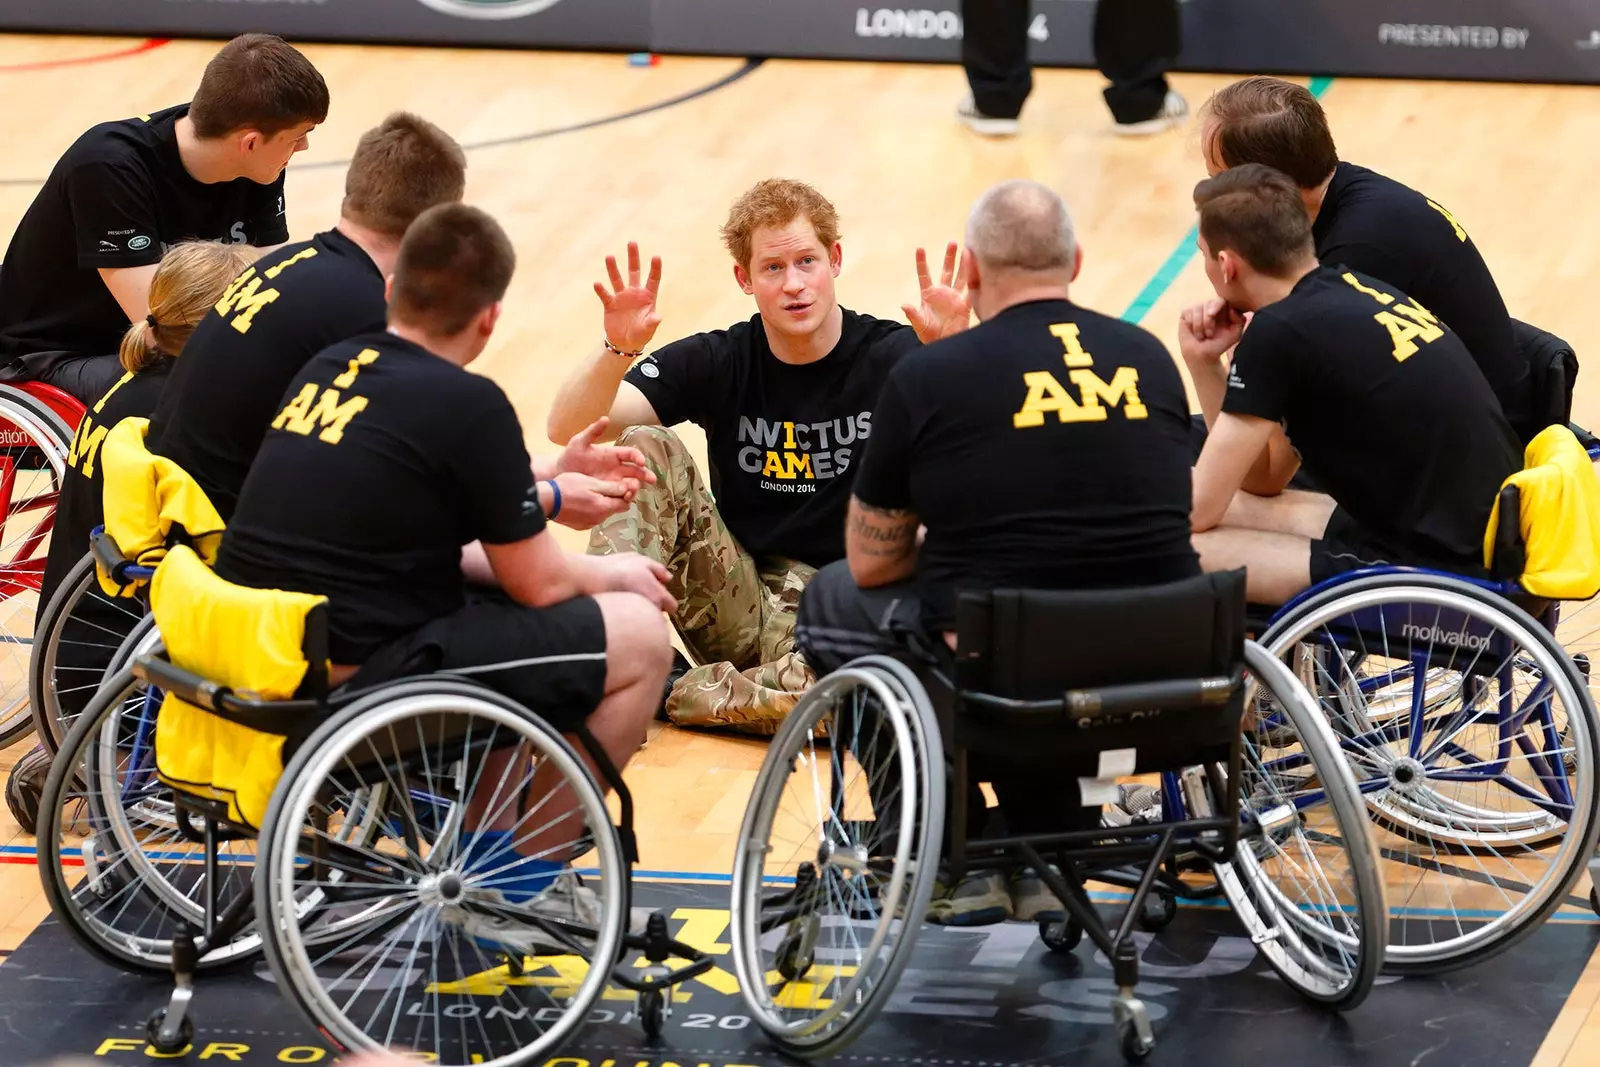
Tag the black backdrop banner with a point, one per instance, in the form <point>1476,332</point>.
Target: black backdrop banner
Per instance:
<point>1522,40</point>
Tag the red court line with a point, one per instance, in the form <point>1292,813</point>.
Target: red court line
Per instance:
<point>122,53</point>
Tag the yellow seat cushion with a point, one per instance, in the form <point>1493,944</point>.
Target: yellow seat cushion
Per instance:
<point>1560,520</point>
<point>145,497</point>
<point>250,640</point>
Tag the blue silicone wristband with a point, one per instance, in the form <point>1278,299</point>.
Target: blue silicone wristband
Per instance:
<point>555,505</point>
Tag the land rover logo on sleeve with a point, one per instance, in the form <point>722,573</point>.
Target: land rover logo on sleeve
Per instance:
<point>490,9</point>
<point>139,243</point>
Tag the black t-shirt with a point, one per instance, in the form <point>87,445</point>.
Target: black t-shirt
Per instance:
<point>1388,411</point>
<point>80,507</point>
<point>1045,448</point>
<point>269,323</point>
<point>781,439</point>
<point>1374,225</point>
<point>382,463</point>
<point>118,198</point>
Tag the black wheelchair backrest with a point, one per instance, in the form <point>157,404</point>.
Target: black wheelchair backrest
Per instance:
<point>1509,556</point>
<point>1037,644</point>
<point>1552,371</point>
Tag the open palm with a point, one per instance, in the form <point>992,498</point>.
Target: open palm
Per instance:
<point>945,309</point>
<point>630,308</point>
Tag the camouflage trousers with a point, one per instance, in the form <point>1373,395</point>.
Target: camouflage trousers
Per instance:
<point>735,614</point>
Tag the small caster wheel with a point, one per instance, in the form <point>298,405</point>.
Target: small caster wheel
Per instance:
<point>791,963</point>
<point>1060,935</point>
<point>797,951</point>
<point>152,1033</point>
<point>1134,1047</point>
<point>1158,912</point>
<point>652,1013</point>
<point>1594,900</point>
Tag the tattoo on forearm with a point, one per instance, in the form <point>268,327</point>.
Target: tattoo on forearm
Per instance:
<point>870,525</point>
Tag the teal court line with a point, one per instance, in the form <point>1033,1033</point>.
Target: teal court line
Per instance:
<point>1163,278</point>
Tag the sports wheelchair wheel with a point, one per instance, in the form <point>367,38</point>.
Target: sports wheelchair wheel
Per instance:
<point>832,858</point>
<point>78,639</point>
<point>34,443</point>
<point>446,965</point>
<point>117,868</point>
<point>125,872</point>
<point>1306,885</point>
<point>1473,739</point>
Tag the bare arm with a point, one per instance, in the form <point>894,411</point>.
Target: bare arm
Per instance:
<point>131,287</point>
<point>596,388</point>
<point>536,572</point>
<point>1232,449</point>
<point>880,544</point>
<point>1275,466</point>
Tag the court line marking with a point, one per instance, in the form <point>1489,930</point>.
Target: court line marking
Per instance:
<point>1169,271</point>
<point>723,82</point>
<point>149,45</point>
<point>27,855</point>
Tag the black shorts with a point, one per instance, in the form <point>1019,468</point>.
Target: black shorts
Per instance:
<point>1344,546</point>
<point>1347,546</point>
<point>550,660</point>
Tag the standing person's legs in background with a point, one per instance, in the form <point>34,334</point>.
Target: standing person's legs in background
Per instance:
<point>1135,43</point>
<point>994,51</point>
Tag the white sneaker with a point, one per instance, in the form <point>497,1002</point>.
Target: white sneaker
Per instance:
<point>566,900</point>
<point>1174,112</point>
<point>1136,803</point>
<point>987,125</point>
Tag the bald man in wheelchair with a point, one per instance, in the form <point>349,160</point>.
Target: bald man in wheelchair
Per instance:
<point>1343,373</point>
<point>1046,448</point>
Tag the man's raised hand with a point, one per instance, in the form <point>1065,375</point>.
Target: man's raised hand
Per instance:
<point>945,309</point>
<point>630,308</point>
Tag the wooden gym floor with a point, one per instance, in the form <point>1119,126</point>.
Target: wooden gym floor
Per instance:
<point>882,142</point>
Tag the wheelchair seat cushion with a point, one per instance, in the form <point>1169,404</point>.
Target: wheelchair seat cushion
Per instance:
<point>1559,520</point>
<point>249,640</point>
<point>149,502</point>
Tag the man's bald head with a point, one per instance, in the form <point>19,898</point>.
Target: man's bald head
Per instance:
<point>1020,247</point>
<point>1022,226</point>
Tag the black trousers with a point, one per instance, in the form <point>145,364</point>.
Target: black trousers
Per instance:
<point>839,621</point>
<point>1135,43</point>
<point>85,377</point>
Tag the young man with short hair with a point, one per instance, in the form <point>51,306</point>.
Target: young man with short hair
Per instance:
<point>79,265</point>
<point>1341,371</point>
<point>392,472</point>
<point>1373,225</point>
<point>786,400</point>
<point>1047,447</point>
<point>295,302</point>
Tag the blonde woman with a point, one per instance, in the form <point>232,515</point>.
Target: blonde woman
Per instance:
<point>188,281</point>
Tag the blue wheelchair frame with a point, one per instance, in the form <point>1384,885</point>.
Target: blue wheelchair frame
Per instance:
<point>1383,622</point>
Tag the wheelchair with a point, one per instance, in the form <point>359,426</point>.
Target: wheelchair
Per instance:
<point>1472,732</point>
<point>37,424</point>
<point>842,840</point>
<point>221,799</point>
